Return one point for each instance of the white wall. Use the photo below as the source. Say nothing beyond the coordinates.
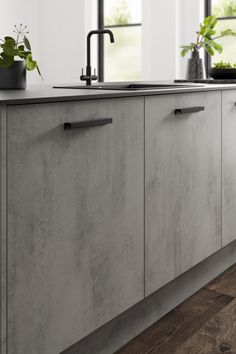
(58, 31)
(167, 24)
(62, 28)
(189, 14)
(158, 39)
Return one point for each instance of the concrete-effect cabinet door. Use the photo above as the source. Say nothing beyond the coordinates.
(75, 220)
(183, 184)
(228, 167)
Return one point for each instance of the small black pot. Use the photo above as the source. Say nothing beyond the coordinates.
(13, 78)
(223, 74)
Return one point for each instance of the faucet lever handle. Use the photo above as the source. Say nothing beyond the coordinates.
(82, 76)
(94, 76)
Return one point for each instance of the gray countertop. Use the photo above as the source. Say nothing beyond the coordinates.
(46, 93)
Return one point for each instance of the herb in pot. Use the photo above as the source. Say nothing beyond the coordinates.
(18, 48)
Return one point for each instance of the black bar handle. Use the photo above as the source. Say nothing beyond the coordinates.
(87, 124)
(189, 110)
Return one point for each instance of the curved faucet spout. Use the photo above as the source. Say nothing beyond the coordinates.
(90, 34)
(89, 77)
(99, 32)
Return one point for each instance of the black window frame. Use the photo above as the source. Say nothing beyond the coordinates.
(208, 8)
(100, 41)
(208, 4)
(101, 25)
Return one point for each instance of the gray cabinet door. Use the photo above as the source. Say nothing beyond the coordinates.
(183, 184)
(228, 167)
(75, 221)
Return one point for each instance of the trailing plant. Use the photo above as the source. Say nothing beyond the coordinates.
(206, 38)
(18, 47)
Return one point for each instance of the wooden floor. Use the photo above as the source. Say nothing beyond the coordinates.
(203, 324)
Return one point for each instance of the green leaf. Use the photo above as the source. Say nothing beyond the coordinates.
(30, 63)
(184, 52)
(22, 55)
(186, 49)
(9, 48)
(213, 45)
(27, 43)
(5, 61)
(210, 21)
(211, 32)
(202, 29)
(210, 50)
(9, 39)
(23, 52)
(21, 48)
(217, 47)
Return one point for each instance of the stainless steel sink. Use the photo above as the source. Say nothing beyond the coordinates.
(127, 87)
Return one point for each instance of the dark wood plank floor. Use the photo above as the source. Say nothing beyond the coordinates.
(203, 324)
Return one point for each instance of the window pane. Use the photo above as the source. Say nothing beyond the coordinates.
(224, 8)
(123, 58)
(228, 43)
(122, 12)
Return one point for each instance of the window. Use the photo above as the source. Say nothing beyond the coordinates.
(225, 11)
(121, 61)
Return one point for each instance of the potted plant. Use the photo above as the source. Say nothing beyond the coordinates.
(15, 59)
(223, 71)
(206, 38)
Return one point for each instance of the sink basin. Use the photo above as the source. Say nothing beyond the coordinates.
(127, 87)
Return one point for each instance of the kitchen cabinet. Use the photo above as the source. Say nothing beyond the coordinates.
(75, 225)
(182, 183)
(105, 201)
(228, 167)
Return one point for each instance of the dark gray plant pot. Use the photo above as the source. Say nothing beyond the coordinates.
(13, 78)
(195, 70)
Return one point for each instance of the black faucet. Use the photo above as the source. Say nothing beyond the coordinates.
(89, 77)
